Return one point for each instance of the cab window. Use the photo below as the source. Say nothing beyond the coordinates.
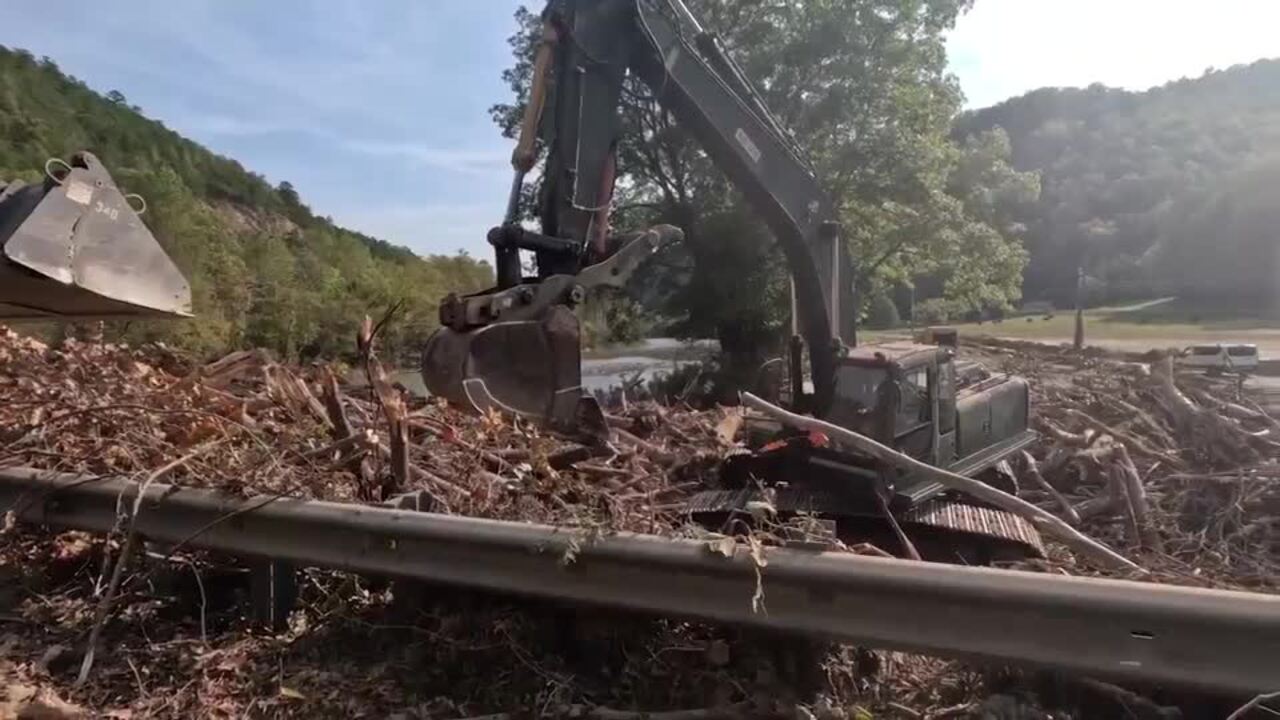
(946, 397)
(857, 385)
(914, 408)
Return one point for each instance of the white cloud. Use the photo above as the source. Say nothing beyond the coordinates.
(1004, 48)
(478, 161)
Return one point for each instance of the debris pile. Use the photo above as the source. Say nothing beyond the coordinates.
(1177, 472)
(178, 642)
(1177, 469)
(245, 424)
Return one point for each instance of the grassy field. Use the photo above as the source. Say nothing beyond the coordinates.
(1168, 322)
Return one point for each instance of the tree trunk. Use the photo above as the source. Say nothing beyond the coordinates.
(742, 352)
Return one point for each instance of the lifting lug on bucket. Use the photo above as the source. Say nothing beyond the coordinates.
(74, 247)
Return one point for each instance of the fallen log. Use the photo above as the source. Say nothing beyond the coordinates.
(1032, 469)
(660, 456)
(1120, 491)
(1145, 418)
(1098, 505)
(1137, 494)
(1062, 436)
(337, 414)
(1173, 399)
(566, 458)
(1043, 521)
(1127, 438)
(1207, 429)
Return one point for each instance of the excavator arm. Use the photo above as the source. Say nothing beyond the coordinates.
(529, 362)
(704, 90)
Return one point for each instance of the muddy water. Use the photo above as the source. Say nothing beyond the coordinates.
(606, 368)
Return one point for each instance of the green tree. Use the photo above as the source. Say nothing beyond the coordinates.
(865, 90)
(1225, 245)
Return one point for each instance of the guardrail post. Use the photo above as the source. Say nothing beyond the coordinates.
(408, 596)
(273, 590)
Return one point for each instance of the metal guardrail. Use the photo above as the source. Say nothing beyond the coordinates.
(1176, 635)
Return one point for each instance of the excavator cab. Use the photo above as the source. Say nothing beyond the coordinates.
(74, 246)
(915, 399)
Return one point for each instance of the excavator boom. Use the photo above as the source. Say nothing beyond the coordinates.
(588, 49)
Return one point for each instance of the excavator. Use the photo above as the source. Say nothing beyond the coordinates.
(516, 347)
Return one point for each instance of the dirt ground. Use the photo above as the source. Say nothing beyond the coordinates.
(1161, 323)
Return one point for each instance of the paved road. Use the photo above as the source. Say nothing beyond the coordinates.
(1137, 306)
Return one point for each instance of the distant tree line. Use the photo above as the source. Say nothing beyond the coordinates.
(1166, 191)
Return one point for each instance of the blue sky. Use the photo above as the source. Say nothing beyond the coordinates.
(376, 110)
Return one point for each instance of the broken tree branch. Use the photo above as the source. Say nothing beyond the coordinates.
(103, 610)
(1147, 533)
(1126, 438)
(1032, 469)
(908, 547)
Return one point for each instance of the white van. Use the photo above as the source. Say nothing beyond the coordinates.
(1237, 357)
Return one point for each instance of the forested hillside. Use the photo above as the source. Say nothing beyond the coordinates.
(264, 269)
(1166, 191)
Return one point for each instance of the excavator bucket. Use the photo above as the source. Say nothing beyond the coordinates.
(518, 349)
(75, 247)
(528, 367)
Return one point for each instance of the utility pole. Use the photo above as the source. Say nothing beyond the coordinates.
(911, 309)
(1078, 340)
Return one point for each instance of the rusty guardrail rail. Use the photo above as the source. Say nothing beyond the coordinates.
(1187, 636)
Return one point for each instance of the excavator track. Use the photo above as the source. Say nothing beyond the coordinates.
(942, 528)
(996, 533)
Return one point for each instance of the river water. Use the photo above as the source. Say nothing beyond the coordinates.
(609, 367)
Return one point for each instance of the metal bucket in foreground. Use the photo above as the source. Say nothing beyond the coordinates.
(75, 247)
